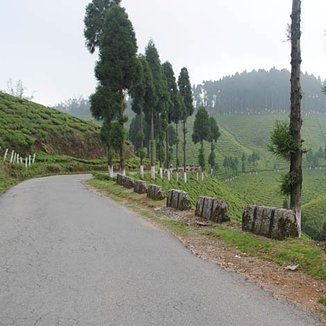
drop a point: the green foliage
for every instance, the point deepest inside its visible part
(214, 132)
(117, 135)
(27, 126)
(186, 93)
(322, 300)
(201, 158)
(286, 183)
(282, 143)
(201, 130)
(94, 18)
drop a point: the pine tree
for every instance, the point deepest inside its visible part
(201, 132)
(186, 94)
(94, 19)
(214, 134)
(157, 105)
(115, 69)
(173, 107)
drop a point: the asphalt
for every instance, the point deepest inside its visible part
(69, 256)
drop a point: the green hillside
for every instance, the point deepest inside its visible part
(241, 133)
(27, 127)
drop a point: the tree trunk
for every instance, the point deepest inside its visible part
(122, 159)
(295, 116)
(167, 142)
(141, 145)
(110, 162)
(177, 146)
(152, 145)
(184, 152)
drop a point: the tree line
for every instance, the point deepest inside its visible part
(259, 91)
(162, 102)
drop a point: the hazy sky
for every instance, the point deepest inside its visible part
(42, 41)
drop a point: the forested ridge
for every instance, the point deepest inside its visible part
(258, 91)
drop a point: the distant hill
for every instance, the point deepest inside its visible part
(27, 127)
(258, 92)
(81, 108)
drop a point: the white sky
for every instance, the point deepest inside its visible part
(42, 42)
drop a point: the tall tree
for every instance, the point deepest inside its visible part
(137, 92)
(201, 132)
(94, 20)
(214, 134)
(115, 69)
(295, 115)
(104, 107)
(157, 104)
(173, 106)
(186, 94)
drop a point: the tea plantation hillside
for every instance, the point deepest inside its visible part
(241, 133)
(27, 127)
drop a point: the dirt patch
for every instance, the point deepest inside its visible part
(295, 287)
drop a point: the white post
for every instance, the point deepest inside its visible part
(185, 177)
(177, 175)
(26, 162)
(14, 159)
(197, 176)
(21, 160)
(123, 172)
(34, 156)
(29, 160)
(142, 171)
(12, 156)
(110, 168)
(169, 175)
(17, 159)
(202, 176)
(153, 172)
(6, 153)
(161, 173)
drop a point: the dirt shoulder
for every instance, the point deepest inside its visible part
(295, 287)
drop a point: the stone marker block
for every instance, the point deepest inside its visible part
(155, 192)
(213, 209)
(140, 187)
(125, 181)
(128, 182)
(271, 222)
(178, 199)
(119, 179)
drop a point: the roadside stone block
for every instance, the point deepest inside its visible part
(178, 199)
(271, 222)
(125, 181)
(119, 179)
(140, 187)
(128, 182)
(213, 209)
(155, 192)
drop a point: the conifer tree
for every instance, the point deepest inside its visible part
(173, 105)
(115, 68)
(186, 94)
(94, 19)
(201, 132)
(214, 134)
(157, 104)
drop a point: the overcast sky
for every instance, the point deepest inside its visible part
(42, 41)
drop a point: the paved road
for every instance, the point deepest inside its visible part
(71, 257)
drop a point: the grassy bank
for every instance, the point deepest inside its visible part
(305, 252)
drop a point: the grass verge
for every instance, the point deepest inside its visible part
(304, 252)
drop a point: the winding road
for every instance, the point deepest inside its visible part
(69, 256)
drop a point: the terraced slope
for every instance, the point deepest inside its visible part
(26, 127)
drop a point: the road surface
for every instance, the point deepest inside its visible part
(69, 256)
